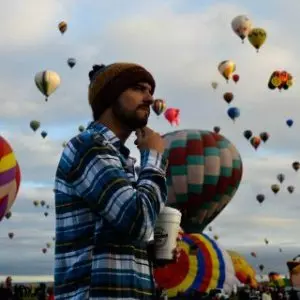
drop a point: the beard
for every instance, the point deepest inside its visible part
(134, 119)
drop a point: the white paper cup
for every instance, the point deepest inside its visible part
(166, 233)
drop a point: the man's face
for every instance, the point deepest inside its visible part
(133, 106)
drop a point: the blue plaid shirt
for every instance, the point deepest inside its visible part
(104, 218)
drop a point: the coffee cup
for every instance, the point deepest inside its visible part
(165, 234)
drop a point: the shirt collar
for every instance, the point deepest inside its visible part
(110, 136)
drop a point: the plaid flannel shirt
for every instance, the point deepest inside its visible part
(104, 218)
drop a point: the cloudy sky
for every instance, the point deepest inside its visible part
(182, 43)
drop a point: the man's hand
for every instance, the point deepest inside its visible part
(149, 139)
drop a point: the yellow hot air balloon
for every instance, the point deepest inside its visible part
(62, 26)
(257, 37)
(241, 25)
(227, 68)
(47, 82)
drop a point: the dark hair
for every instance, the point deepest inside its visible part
(97, 107)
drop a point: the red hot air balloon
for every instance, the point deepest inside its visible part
(172, 115)
(255, 142)
(235, 78)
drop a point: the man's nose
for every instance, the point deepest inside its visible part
(148, 100)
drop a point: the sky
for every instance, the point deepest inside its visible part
(181, 43)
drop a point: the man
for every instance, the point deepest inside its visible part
(104, 218)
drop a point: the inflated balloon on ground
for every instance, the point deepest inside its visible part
(10, 177)
(203, 174)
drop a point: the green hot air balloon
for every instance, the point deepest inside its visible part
(203, 174)
(35, 125)
(81, 128)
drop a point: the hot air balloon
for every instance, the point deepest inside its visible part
(172, 115)
(202, 265)
(226, 68)
(46, 214)
(159, 106)
(261, 267)
(47, 82)
(264, 136)
(248, 134)
(241, 25)
(197, 185)
(260, 198)
(290, 189)
(10, 177)
(233, 113)
(44, 134)
(217, 129)
(257, 37)
(36, 202)
(81, 128)
(44, 250)
(71, 62)
(255, 142)
(216, 237)
(214, 85)
(64, 144)
(62, 26)
(47, 206)
(210, 228)
(253, 254)
(228, 97)
(289, 122)
(296, 165)
(280, 177)
(11, 235)
(8, 215)
(243, 270)
(48, 245)
(275, 188)
(35, 125)
(235, 78)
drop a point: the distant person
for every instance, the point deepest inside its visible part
(104, 217)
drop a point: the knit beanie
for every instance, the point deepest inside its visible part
(108, 82)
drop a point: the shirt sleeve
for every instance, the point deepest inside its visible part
(101, 180)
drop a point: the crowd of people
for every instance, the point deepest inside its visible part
(9, 291)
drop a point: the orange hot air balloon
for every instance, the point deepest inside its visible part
(255, 142)
(172, 115)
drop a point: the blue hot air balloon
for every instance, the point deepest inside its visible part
(289, 122)
(233, 113)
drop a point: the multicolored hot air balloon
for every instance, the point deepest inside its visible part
(244, 272)
(203, 174)
(47, 82)
(255, 142)
(159, 106)
(275, 188)
(226, 69)
(257, 37)
(241, 25)
(296, 165)
(10, 177)
(264, 136)
(202, 265)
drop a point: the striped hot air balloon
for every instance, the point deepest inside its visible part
(202, 265)
(10, 177)
(204, 172)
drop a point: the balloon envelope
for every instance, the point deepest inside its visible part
(203, 174)
(10, 177)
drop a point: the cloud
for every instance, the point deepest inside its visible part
(181, 43)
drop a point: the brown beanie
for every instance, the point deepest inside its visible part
(108, 82)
